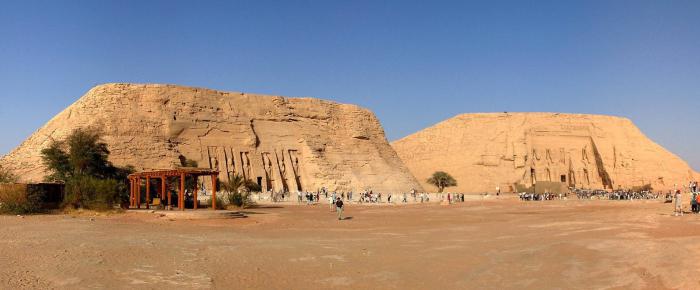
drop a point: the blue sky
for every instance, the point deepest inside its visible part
(412, 63)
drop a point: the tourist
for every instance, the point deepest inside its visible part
(693, 203)
(679, 204)
(331, 201)
(388, 200)
(405, 200)
(339, 208)
(299, 196)
(498, 190)
(462, 196)
(449, 198)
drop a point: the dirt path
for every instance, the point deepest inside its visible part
(504, 244)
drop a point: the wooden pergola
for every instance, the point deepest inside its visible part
(136, 178)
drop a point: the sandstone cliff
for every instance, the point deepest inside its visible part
(483, 151)
(281, 143)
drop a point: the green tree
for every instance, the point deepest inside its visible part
(81, 161)
(441, 180)
(82, 153)
(239, 190)
(234, 184)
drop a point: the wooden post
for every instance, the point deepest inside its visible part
(131, 192)
(196, 188)
(170, 198)
(162, 189)
(181, 197)
(213, 191)
(148, 192)
(138, 192)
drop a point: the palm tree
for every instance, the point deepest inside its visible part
(442, 179)
(234, 184)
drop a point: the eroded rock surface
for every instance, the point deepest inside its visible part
(281, 143)
(485, 151)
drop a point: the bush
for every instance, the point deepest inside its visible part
(219, 202)
(16, 199)
(239, 199)
(92, 193)
(252, 186)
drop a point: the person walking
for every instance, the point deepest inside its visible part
(679, 203)
(339, 208)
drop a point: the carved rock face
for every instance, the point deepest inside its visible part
(280, 143)
(485, 151)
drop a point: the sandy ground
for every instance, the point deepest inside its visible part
(494, 244)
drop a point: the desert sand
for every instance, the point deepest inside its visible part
(479, 244)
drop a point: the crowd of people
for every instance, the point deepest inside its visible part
(622, 194)
(542, 196)
(364, 197)
(593, 194)
(337, 200)
(694, 199)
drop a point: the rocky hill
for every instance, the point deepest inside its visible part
(485, 151)
(279, 142)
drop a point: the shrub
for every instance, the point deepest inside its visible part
(236, 183)
(92, 193)
(252, 186)
(219, 202)
(16, 199)
(239, 199)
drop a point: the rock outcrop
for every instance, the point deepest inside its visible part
(278, 142)
(486, 151)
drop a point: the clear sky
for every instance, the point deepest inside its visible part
(412, 63)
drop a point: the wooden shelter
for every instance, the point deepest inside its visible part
(136, 178)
